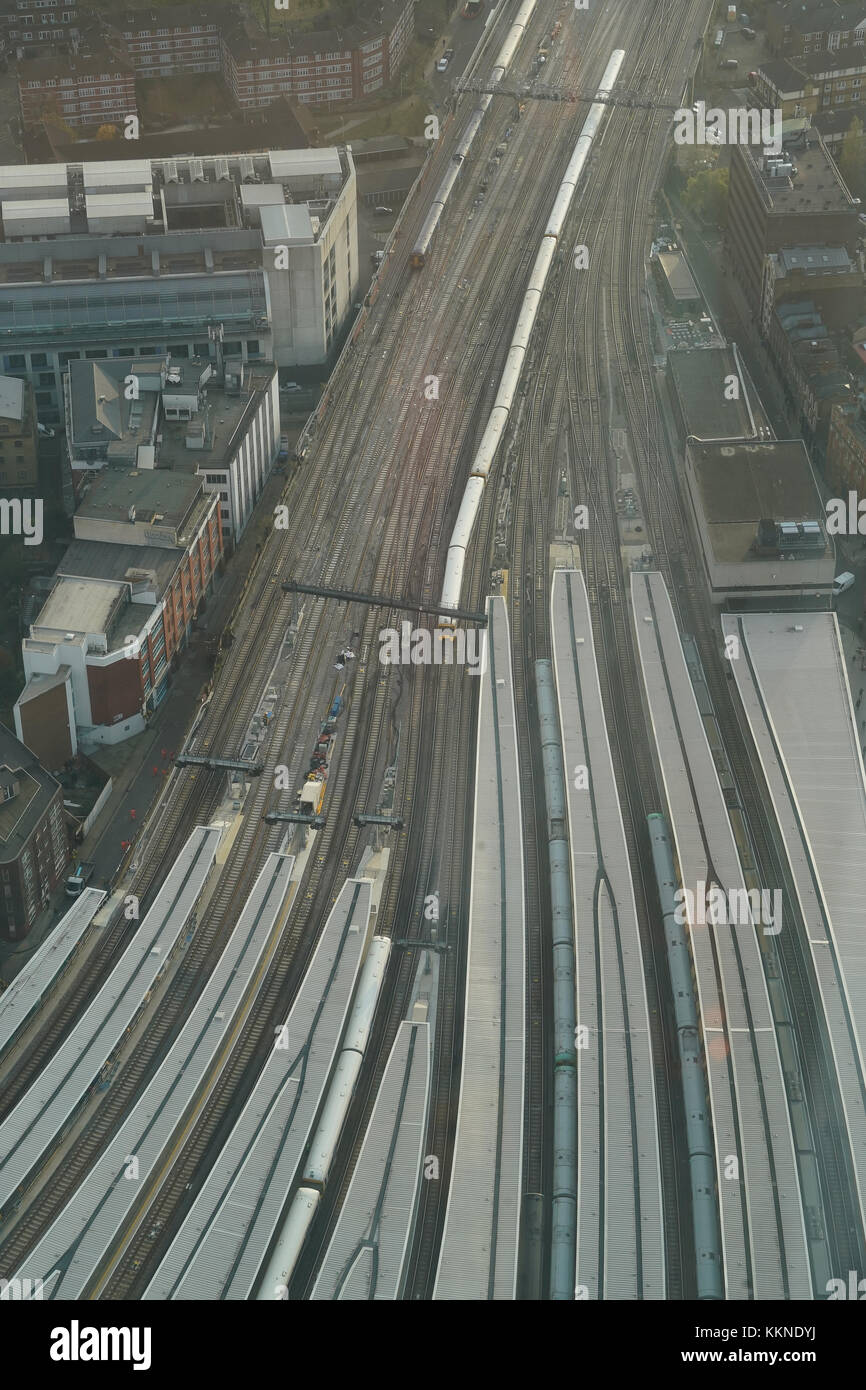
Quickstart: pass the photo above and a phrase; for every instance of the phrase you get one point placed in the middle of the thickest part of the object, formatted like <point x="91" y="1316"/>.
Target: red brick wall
<point x="115" y="690"/>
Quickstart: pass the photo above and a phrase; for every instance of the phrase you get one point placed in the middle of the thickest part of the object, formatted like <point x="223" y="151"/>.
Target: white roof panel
<point x="135" y="202"/>
<point x="255" y="194"/>
<point x="289" y="223"/>
<point x="295" y="163"/>
<point x="25" y="208"/>
<point x="133" y="172"/>
<point x="38" y="177"/>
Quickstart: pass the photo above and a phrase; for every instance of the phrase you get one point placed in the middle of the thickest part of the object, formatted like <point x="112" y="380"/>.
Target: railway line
<point x="606" y="216"/>
<point x="371" y="509"/>
<point x="274" y="611"/>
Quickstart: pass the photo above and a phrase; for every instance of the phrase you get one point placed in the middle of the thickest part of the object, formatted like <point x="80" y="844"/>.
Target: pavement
<point x="139" y="767"/>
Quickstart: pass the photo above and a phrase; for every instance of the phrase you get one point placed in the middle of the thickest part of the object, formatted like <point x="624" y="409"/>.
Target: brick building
<point x="37" y="28"/>
<point x="320" y="67"/>
<point x="77" y="91"/>
<point x="846" y="449"/>
<point x="805" y="86"/>
<point x="34" y="850"/>
<point x="808" y="26"/>
<point x="127" y="591"/>
<point x="185" y="417"/>
<point x="799" y="200"/>
<point x="173" y="40"/>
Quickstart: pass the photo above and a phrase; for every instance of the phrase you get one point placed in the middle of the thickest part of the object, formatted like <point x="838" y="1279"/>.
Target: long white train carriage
<point x="503" y="61"/>
<point x="498" y="418"/>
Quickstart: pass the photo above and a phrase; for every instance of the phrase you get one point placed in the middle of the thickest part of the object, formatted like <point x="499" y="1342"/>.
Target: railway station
<point x="789" y="667"/>
<point x="531" y="980"/>
<point x="478" y="1258"/>
<point x="220" y="1246"/>
<point x="46" y="1111"/>
<point x="763" y="1243"/>
<point x="72" y="1256"/>
<point x="366" y="1257"/>
<point x="620" y="1226"/>
<point x="27" y="993"/>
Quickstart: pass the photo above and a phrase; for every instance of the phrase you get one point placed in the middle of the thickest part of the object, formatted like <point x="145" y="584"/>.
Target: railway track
<point x="226" y="896"/>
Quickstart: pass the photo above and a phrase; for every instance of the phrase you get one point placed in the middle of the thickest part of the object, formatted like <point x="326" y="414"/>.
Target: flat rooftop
<point x="224" y="416"/>
<point x="201" y="194"/>
<point x="81" y="606"/>
<point x="742" y="482"/>
<point x="696" y="376"/>
<point x="153" y="492"/>
<point x="680" y="281"/>
<point x="815" y="187"/>
<point x="137" y="565"/>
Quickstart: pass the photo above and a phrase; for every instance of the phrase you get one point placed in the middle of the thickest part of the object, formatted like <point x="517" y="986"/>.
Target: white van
<point x="842" y="582"/>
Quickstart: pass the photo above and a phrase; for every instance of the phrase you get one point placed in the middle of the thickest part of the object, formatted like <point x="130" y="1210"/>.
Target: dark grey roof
<point x="103" y="560"/>
<point x="20" y="816"/>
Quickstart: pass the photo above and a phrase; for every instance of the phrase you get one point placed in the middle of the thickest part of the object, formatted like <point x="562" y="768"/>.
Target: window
<point x="46" y="378"/>
<point x="38" y="359"/>
<point x="96" y="352"/>
<point x="16" y="360"/>
<point x="43" y="397"/>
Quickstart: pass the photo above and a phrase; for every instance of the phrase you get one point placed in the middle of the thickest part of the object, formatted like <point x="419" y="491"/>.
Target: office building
<point x="146" y="256"/>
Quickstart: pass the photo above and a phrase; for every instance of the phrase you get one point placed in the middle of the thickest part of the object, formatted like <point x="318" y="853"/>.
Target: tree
<point x="706" y="195"/>
<point x="107" y="132"/>
<point x="852" y="158"/>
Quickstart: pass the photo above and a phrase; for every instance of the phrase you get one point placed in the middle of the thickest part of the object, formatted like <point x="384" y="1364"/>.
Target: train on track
<point x="709" y="1260"/>
<point x="421" y="249"/>
<point x="499" y="415"/>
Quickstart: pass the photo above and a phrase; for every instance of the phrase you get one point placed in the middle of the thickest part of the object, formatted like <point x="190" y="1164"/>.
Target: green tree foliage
<point x="852" y="159"/>
<point x="706" y="195"/>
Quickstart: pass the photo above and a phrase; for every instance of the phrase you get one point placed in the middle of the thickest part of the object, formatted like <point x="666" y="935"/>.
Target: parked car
<point x="442" y="65"/>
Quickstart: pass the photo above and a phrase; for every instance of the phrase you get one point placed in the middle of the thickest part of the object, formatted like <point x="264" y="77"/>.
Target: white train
<point x="280" y="1267"/>
<point x="498" y="418"/>
<point x="440" y="202"/>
